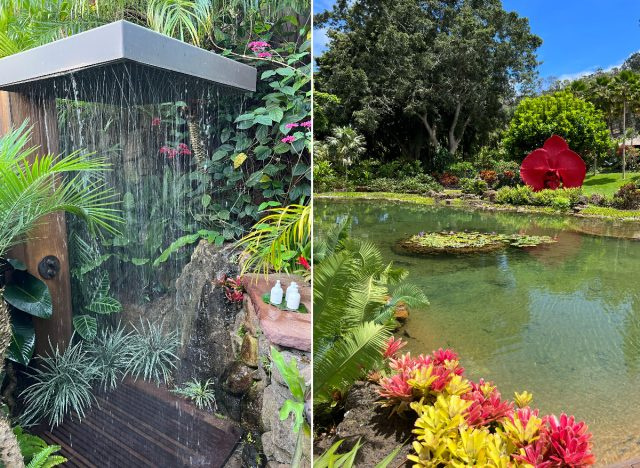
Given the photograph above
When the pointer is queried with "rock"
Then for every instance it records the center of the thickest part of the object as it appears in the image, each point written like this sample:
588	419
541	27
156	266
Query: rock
249	351
401	313
490	195
239	379
281	327
380	434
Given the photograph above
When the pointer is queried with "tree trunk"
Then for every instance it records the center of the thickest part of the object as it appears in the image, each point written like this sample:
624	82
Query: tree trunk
10	454
624	140
431	131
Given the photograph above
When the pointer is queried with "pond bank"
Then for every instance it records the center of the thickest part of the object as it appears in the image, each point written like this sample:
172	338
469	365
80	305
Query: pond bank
458	200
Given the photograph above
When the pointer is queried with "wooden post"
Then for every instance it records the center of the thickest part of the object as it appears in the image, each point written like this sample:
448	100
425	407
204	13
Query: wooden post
50	236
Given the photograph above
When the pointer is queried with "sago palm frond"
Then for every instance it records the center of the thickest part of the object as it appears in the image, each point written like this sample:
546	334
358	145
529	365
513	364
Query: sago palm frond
277	237
331	241
347	360
35	186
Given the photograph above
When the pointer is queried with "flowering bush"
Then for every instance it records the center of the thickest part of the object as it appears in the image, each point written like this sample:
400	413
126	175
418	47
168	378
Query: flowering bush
465	423
490	177
233	288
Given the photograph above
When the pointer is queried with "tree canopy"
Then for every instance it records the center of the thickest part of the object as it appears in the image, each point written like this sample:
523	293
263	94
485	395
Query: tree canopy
574	119
422	78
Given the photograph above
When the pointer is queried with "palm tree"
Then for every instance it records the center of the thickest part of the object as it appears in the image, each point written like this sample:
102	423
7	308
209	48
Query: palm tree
627	87
346	145
32	187
353	312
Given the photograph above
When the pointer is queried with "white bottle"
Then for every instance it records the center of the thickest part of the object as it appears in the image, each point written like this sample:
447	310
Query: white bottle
291	287
276	294
293	301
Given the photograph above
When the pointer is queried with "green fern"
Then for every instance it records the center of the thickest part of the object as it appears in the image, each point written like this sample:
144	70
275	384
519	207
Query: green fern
353	314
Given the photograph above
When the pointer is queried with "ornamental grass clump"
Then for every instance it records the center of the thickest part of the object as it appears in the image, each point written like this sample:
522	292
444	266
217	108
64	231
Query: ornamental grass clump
151	353
464	423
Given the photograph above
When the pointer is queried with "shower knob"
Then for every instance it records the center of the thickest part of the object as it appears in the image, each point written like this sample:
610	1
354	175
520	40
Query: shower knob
49	267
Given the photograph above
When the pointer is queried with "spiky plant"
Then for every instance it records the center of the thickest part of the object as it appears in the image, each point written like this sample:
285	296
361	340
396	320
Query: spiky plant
109	351
200	393
151	353
277	240
62	386
353	314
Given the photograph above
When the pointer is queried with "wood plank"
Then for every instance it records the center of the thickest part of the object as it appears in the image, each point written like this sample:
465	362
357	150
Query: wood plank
50	236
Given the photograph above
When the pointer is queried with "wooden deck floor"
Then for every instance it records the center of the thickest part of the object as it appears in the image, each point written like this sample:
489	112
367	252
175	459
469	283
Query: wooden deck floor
141	426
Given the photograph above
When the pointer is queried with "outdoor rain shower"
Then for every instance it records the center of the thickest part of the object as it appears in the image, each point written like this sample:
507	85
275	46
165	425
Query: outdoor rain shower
114	70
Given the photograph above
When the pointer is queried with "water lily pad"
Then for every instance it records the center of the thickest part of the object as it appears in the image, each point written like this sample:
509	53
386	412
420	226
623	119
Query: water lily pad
452	242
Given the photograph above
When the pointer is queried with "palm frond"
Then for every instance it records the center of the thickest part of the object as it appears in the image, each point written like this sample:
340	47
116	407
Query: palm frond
348	359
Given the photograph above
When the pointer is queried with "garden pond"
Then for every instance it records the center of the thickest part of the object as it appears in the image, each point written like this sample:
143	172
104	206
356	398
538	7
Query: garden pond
560	320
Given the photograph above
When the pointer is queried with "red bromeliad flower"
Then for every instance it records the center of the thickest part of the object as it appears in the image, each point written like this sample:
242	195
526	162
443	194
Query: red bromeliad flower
393	346
552	166
570	441
487	405
397	386
305	264
156	121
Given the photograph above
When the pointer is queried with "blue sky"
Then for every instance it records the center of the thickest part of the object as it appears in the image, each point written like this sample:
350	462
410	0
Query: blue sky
579	36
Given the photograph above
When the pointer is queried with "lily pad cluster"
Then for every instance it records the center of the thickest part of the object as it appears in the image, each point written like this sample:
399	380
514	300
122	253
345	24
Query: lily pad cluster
467	242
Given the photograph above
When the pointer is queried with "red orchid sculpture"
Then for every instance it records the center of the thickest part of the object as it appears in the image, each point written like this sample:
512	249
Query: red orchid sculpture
553	166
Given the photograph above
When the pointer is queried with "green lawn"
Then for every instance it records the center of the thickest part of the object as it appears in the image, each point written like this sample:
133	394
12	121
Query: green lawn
607	184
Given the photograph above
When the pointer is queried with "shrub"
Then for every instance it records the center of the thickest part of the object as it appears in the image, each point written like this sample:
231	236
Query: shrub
325	178
109	353
598	199
627	197
200	393
524	195
490	177
502	166
577	121
62	384
151	353
519	195
465	423
462	169
418	184
508	178
448	180
399	168
474	186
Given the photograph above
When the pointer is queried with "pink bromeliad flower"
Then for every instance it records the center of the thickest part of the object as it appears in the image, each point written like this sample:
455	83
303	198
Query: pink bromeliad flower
486	408
291	125
393	346
396	386
288	139
570	441
169	152
306	124
156	121
265	55
184	149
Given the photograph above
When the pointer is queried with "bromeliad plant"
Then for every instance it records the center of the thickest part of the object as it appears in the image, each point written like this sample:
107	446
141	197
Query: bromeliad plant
465	423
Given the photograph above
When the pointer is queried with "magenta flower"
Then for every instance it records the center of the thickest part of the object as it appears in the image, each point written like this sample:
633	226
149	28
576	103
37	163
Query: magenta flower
393	346
169	152
156	121
306	124
288	139
264	55
257	45
291	125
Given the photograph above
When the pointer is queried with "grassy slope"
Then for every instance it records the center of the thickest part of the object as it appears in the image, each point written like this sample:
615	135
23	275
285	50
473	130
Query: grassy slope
607	184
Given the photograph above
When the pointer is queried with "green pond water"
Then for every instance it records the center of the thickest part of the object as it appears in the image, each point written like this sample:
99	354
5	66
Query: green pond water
561	321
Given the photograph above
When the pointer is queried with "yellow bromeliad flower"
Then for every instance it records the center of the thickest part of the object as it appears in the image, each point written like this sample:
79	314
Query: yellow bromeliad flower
523	399
523	428
422	379
458	385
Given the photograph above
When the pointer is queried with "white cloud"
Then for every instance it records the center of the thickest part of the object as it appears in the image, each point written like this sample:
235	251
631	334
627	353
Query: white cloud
580	74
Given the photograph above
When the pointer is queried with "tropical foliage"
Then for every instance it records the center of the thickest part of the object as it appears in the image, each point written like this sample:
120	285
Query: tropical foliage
466	423
151	352
353	312
280	241
36	452
200	393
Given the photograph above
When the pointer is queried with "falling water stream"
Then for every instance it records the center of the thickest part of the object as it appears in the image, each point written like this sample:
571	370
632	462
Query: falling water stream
561	321
137	118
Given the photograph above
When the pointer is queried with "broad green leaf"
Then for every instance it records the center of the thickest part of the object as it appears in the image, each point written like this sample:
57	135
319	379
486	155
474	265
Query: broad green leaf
86	326
175	246
104	305
29	294
23	338
239	159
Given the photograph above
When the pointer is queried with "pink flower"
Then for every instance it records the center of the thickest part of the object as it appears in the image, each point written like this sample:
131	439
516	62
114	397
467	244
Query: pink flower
396	386
156	121
264	55
291	125
288	139
570	441
257	45
393	346
306	124
164	150
184	149
170	152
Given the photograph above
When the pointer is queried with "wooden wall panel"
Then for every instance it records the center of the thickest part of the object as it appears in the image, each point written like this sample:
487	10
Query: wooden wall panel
50	236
